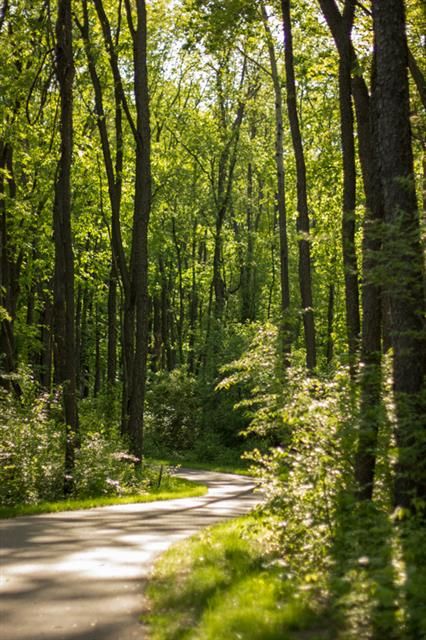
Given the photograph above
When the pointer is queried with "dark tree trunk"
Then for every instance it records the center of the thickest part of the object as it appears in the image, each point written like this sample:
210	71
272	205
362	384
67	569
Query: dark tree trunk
343	24
64	263
112	327
370	409
193	303
98	373
142	205
9	274
248	269
418	77
181	318
286	332
371	294
402	248
330	322
156	328
305	280
45	362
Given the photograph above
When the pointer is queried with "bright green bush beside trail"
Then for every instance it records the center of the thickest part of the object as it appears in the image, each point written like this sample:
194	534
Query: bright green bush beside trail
31	456
316	563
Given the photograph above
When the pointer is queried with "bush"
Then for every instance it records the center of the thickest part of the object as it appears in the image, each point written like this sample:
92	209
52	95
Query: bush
31	447
172	411
102	467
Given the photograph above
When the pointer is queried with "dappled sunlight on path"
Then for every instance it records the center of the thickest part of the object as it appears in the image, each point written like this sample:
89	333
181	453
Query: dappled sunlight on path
79	575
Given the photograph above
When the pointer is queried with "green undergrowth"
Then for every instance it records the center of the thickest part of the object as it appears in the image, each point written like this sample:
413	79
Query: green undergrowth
232	582
171	488
188	463
221	584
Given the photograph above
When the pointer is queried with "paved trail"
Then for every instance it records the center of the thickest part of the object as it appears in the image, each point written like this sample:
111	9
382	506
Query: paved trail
79	575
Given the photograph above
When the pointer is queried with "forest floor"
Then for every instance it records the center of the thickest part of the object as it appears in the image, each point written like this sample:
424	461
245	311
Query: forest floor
80	575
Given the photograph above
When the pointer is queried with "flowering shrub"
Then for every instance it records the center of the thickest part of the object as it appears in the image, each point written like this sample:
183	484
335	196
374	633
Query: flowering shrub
102	467
31	448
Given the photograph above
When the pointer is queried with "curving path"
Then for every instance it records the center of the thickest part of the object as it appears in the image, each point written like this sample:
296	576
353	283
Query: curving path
78	575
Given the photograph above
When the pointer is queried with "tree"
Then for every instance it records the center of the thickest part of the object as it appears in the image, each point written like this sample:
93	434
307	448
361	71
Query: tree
64	329
305	281
402	249
286	329
349	171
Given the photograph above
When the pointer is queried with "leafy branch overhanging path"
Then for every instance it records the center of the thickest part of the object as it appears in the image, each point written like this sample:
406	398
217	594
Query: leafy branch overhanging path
79	575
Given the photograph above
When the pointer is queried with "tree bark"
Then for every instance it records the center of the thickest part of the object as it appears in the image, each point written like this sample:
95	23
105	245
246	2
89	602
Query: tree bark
402	248
286	330
64	262
343	23
142	206
305	279
370	409
112	327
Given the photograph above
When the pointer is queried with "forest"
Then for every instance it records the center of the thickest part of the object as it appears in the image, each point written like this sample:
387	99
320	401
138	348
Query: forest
212	252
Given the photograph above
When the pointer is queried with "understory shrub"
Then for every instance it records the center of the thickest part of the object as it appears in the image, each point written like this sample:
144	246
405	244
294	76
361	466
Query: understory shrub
32	450
360	561
172	415
102	466
31	447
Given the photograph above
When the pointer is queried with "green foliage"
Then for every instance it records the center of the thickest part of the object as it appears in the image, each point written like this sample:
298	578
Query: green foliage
31	447
360	566
171	488
221	585
32	456
173	411
103	467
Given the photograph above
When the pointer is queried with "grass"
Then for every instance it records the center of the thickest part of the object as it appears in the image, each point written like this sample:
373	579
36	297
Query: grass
237	468
173	488
218	585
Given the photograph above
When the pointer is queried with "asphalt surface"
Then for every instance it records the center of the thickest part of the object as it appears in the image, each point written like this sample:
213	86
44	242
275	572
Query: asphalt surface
79	575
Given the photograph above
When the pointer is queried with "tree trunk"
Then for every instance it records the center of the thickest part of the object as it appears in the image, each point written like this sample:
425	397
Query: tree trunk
370	409
64	261
112	327
142	205
343	43
305	280
330	322
286	332
402	248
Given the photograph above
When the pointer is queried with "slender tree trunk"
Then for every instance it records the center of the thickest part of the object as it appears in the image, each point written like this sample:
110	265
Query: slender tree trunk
402	248
343	43
193	302
330	322
305	279
45	362
248	269
112	327
97	368
370	377
370	409
286	333
9	274
181	318
142	205
64	261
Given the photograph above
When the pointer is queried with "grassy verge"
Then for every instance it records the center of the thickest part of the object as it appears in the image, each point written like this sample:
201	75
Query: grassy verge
238	468
220	585
172	488
226	584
